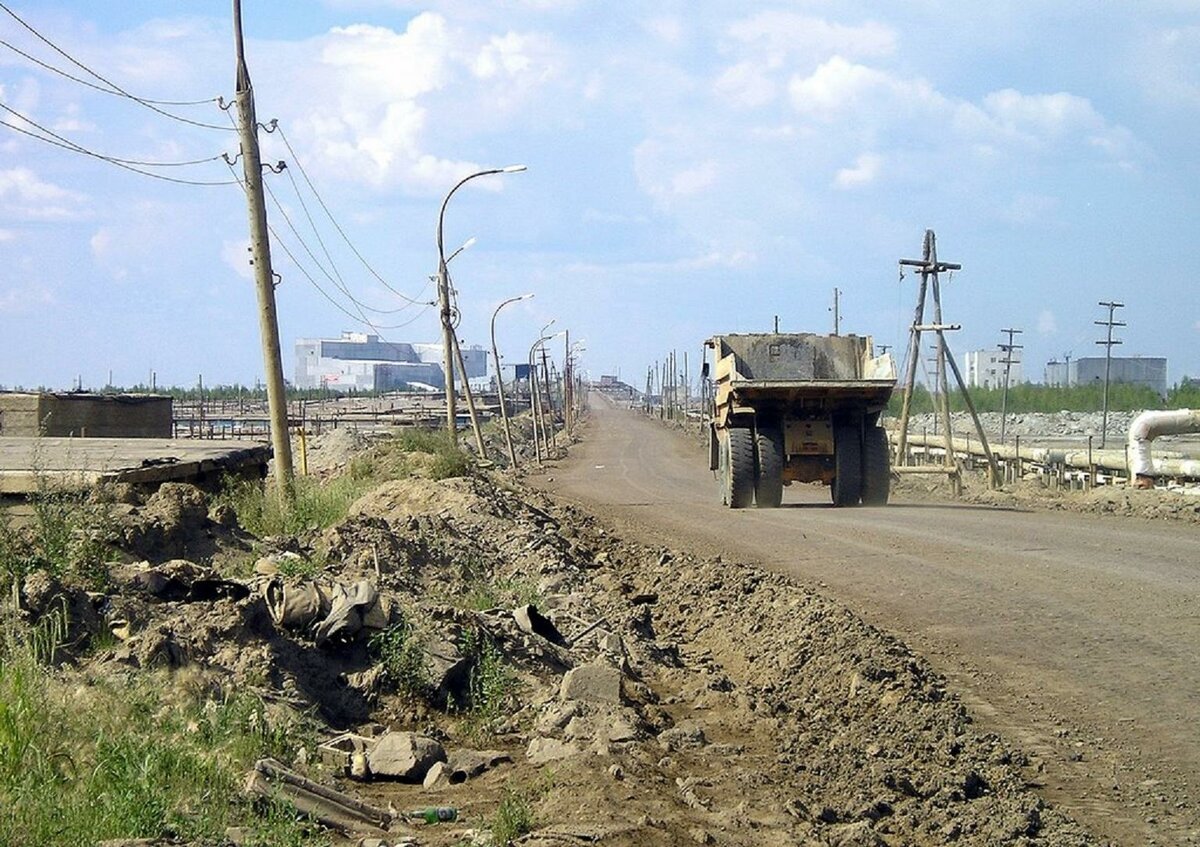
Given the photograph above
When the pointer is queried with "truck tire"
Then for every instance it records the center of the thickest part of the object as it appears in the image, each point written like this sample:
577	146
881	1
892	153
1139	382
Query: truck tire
768	485
877	470
741	467
722	439
847	466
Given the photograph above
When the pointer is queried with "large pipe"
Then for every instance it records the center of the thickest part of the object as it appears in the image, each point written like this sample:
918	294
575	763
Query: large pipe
1145	428
1173	464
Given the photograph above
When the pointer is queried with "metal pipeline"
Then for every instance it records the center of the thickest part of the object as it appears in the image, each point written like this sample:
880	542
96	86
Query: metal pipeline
1172	464
1145	428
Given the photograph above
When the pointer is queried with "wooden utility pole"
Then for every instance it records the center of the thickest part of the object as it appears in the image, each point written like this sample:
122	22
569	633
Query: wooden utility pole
264	278
837	315
1007	361
930	267
1108	343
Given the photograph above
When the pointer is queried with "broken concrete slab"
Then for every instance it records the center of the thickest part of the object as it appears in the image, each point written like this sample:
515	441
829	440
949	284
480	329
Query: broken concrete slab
468	764
543	750
594	683
338	752
404	755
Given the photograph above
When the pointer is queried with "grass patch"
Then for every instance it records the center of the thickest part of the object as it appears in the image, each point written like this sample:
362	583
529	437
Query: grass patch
316	505
449	460
513	818
400	649
68	536
490	689
153	757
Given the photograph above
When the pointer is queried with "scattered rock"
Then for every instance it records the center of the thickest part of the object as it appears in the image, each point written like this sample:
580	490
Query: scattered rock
404	756
596	683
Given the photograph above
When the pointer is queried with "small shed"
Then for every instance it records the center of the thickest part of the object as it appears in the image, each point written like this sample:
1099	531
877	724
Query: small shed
84	415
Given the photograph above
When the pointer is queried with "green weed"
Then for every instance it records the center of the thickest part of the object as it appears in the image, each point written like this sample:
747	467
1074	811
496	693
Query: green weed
491	686
513	818
130	758
68	535
400	650
262	511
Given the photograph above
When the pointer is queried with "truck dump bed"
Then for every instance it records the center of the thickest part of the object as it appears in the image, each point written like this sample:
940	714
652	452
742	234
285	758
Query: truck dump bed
802	367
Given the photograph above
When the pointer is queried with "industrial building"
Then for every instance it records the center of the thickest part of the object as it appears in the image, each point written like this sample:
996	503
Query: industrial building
361	362
1150	371
84	415
985	368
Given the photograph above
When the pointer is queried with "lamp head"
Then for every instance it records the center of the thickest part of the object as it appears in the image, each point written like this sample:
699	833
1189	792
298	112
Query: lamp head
512	169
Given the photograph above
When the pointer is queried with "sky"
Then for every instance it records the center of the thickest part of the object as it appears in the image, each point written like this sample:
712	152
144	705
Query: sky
694	168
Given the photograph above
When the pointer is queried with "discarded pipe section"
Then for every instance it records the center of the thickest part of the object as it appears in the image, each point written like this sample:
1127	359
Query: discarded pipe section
1145	428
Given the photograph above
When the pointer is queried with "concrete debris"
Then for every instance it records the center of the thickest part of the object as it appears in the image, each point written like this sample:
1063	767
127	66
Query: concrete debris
595	683
405	756
543	750
269	778
463	765
688	735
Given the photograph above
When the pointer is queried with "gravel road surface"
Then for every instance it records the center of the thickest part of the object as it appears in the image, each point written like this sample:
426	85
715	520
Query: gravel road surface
1076	636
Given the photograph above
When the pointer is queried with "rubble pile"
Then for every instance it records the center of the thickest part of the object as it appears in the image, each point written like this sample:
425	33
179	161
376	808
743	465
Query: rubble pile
466	641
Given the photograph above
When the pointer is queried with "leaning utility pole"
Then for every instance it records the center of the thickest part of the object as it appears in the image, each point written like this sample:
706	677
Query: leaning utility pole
837	317
1108	343
264	278
1007	361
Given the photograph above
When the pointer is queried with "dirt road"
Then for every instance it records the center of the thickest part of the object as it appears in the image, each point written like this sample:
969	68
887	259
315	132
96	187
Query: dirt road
1076	636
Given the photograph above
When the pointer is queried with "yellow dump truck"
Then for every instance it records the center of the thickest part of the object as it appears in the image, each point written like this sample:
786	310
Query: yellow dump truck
799	408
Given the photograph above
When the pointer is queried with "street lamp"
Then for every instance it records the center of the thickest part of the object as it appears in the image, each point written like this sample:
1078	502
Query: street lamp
540	410
512	454
444	293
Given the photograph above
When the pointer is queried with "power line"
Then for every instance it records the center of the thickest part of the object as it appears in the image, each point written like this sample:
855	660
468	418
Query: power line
338	227
101	88
128	164
116	89
360	318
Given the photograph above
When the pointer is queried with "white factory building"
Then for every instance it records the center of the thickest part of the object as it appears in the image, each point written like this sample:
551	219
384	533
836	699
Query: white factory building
985	368
361	362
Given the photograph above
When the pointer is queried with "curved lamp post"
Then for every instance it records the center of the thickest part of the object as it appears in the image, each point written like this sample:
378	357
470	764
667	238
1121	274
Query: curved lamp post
444	294
541	414
512	454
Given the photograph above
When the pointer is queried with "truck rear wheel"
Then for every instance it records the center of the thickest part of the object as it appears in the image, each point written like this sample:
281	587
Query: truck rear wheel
847	466
768	485
877	471
741	467
722	469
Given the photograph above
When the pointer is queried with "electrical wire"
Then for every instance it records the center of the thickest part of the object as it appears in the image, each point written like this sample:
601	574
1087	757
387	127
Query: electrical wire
128	164
411	300
340	282
116	89
360	318
101	88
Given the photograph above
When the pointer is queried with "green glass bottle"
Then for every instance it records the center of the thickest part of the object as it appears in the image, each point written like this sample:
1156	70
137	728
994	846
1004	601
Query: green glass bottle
434	814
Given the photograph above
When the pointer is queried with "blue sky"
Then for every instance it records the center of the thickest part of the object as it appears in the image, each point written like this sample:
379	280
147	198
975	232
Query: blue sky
694	168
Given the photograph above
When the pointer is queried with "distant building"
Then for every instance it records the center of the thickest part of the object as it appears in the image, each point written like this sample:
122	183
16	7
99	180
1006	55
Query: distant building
1150	371
361	362
985	368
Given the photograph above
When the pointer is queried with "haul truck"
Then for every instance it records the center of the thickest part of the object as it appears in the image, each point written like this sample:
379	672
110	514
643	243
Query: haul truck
799	408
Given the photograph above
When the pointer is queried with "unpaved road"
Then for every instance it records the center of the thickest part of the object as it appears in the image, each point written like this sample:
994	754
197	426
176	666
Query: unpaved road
1076	636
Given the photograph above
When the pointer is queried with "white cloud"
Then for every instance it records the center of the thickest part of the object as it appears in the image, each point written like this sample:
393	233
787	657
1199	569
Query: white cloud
776	34
665	28
18	299
694	180
843	91
865	171
1047	324
7	235
24	195
746	84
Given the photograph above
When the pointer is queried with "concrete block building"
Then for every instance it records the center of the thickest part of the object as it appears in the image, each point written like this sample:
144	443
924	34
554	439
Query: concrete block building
1150	371
361	362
